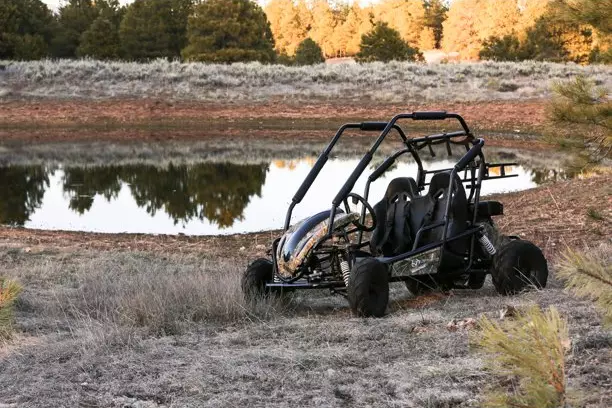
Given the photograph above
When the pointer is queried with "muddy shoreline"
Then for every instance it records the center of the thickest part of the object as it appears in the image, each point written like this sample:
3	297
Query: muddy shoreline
43	121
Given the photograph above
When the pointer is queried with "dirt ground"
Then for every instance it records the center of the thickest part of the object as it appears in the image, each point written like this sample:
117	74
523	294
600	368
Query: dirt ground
311	352
138	120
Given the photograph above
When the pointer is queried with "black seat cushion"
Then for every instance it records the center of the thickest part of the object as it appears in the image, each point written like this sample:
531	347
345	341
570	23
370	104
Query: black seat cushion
406	187
457	219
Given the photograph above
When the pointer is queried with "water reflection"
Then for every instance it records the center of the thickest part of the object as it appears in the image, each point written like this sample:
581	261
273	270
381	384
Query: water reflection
204	198
21	193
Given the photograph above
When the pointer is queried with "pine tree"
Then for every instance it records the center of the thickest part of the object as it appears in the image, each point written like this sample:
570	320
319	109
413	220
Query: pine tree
154	29
101	40
351	29
323	26
309	53
385	44
461	28
74	19
26	28
435	15
405	16
500	18
228	31
286	25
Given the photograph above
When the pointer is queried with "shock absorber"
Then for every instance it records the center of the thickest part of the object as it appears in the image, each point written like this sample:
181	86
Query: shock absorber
486	244
346	271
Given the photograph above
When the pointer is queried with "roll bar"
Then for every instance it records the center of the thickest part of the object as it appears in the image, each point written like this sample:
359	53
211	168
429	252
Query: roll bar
322	159
367	158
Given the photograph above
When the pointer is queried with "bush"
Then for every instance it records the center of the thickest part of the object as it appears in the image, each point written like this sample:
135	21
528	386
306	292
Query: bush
385	44
582	112
9	290
308	53
507	48
531	350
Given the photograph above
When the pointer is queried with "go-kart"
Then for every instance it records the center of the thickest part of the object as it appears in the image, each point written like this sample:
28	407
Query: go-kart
426	231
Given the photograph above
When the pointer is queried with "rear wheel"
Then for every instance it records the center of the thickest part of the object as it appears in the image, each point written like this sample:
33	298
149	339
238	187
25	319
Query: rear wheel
518	265
368	290
255	278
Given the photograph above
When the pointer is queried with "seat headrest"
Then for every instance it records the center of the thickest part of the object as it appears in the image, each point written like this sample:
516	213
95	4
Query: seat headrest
402	185
440	181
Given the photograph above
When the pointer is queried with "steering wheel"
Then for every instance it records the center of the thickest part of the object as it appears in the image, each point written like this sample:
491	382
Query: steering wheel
356	198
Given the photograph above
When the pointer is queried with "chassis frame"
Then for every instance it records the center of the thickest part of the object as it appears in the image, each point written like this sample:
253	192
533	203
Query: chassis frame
475	170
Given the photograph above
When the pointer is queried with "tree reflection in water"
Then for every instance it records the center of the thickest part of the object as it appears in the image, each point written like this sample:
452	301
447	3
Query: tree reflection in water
21	192
218	192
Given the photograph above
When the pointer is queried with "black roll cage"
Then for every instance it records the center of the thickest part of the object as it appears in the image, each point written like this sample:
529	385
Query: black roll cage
478	171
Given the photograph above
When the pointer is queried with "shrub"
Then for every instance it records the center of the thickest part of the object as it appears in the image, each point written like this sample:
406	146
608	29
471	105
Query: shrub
385	44
582	112
308	53
507	48
589	275
9	290
530	350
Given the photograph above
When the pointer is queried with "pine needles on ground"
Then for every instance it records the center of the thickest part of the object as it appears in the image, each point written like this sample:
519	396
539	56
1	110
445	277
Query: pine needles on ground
589	275
9	290
530	351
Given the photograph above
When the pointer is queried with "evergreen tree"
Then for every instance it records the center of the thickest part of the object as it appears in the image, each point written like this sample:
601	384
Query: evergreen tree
588	15
435	14
405	16
309	53
352	29
286	25
74	19
229	31
461	28
385	44
154	29
26	29
323	27
101	40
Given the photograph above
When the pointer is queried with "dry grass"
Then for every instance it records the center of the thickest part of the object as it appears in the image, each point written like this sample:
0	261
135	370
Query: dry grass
395	82
588	273
530	351
75	348
162	296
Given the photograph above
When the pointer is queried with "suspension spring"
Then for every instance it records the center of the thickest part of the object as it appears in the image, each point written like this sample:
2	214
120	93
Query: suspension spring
486	244
346	272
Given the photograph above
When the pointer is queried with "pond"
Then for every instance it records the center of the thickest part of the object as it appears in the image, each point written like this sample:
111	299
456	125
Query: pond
199	198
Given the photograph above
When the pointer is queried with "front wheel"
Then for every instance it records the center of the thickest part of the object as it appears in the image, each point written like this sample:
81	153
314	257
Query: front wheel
368	290
517	265
255	278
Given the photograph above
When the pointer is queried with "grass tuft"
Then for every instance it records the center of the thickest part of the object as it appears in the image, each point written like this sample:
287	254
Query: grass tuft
588	274
594	214
9	290
163	298
530	352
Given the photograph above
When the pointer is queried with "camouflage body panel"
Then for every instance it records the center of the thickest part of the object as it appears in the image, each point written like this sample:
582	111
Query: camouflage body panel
422	264
287	268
